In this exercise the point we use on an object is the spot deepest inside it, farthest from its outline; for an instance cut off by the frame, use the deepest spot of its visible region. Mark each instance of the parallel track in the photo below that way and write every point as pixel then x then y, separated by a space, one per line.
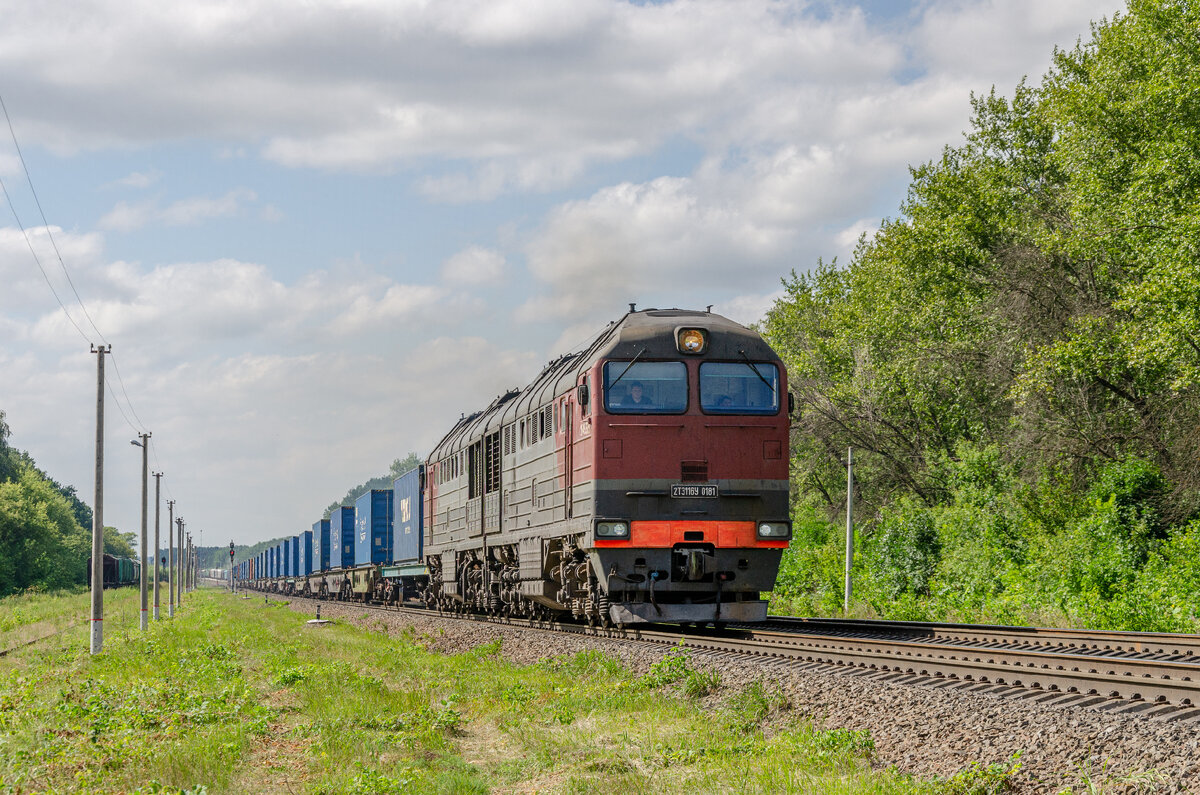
pixel 1152 674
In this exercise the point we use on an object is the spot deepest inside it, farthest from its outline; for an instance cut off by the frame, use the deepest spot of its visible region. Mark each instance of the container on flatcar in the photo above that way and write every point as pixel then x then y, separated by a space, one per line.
pixel 373 527
pixel 341 537
pixel 306 556
pixel 407 506
pixel 320 545
pixel 288 560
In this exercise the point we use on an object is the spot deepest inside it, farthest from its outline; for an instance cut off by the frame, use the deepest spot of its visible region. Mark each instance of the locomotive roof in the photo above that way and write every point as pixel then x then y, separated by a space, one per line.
pixel 648 334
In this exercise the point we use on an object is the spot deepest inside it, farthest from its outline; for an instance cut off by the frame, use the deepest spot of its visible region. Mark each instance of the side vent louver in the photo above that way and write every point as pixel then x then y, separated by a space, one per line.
pixel 693 471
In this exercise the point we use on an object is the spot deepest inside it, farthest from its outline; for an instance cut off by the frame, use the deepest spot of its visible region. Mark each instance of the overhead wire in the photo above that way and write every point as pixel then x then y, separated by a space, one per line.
pixel 46 224
pixel 37 259
pixel 140 426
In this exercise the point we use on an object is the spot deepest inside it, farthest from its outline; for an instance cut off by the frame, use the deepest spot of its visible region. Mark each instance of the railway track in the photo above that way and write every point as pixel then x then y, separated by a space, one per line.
pixel 1154 675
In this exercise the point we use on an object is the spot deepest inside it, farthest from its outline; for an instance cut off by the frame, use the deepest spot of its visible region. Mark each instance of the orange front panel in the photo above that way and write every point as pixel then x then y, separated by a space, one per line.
pixel 669 533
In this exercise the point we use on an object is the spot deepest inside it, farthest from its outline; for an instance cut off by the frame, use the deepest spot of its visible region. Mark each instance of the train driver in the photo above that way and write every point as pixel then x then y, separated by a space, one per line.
pixel 635 398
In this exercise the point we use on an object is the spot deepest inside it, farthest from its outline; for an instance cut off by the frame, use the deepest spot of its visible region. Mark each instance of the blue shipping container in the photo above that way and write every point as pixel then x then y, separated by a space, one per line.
pixel 306 555
pixel 294 557
pixel 289 568
pixel 373 527
pixel 409 510
pixel 320 545
pixel 341 537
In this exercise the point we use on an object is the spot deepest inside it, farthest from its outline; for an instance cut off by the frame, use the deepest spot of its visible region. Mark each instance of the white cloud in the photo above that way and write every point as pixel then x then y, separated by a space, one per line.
pixel 126 217
pixel 474 266
pixel 139 179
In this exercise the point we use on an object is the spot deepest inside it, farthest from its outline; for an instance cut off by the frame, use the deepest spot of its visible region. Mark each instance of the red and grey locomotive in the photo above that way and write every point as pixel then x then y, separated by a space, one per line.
pixel 643 479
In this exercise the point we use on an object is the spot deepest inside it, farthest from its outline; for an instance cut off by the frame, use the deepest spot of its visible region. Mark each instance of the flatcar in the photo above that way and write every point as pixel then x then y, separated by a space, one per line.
pixel 643 478
pixel 118 571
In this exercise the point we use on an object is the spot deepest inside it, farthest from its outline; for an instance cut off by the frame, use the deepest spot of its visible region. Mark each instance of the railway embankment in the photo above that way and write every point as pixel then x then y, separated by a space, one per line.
pixel 925 728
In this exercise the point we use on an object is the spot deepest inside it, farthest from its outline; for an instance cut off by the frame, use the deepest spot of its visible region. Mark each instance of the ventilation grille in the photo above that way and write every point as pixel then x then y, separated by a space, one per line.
pixel 693 471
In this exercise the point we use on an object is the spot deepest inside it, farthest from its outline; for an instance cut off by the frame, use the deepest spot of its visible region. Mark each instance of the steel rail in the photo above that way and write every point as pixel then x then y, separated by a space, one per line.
pixel 1181 646
pixel 1130 679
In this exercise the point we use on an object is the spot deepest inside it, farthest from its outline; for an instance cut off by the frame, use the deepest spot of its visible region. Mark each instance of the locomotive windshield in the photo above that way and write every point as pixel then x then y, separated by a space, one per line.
pixel 739 388
pixel 645 387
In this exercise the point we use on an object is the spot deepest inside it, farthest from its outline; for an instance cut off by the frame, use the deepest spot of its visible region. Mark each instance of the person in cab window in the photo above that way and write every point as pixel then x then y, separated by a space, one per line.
pixel 635 398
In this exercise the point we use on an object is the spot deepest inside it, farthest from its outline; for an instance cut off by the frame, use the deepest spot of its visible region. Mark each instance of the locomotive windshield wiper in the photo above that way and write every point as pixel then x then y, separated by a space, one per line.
pixel 750 364
pixel 632 362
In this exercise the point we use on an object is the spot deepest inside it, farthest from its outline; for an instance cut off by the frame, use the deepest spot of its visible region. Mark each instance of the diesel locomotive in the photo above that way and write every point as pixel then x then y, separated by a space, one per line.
pixel 643 478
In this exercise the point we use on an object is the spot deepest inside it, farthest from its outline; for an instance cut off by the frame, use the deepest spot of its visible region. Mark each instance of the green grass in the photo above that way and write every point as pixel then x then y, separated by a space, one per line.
pixel 236 696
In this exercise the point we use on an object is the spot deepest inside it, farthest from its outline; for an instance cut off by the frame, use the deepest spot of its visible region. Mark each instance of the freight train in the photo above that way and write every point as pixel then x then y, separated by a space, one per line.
pixel 641 479
pixel 118 571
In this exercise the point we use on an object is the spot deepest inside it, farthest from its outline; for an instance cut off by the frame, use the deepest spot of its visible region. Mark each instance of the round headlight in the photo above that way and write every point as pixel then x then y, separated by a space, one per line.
pixel 774 530
pixel 612 529
pixel 691 341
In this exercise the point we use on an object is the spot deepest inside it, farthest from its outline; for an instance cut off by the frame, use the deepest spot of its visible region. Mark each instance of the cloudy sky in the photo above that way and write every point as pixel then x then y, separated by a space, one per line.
pixel 315 234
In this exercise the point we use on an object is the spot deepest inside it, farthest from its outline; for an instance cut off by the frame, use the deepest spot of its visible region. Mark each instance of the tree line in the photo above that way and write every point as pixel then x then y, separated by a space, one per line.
pixel 45 529
pixel 1015 358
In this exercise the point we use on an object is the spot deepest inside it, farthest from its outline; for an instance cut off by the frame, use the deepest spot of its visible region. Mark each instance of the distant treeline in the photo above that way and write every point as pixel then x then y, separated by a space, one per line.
pixel 1016 358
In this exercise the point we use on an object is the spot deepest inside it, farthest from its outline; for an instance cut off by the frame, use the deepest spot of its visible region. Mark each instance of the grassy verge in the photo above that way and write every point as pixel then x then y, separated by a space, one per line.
pixel 234 696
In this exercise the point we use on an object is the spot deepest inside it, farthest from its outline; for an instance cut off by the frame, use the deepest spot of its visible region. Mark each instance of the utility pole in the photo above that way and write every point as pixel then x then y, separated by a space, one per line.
pixel 157 540
pixel 179 566
pixel 170 558
pixel 145 445
pixel 849 525
pixel 98 509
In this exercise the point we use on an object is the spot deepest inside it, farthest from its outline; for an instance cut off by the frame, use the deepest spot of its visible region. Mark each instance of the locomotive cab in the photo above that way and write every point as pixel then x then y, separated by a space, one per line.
pixel 690 488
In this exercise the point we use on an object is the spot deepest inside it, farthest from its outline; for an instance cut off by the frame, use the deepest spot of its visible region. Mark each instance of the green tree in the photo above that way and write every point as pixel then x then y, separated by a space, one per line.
pixel 7 466
pixel 41 544
pixel 118 543
pixel 1016 357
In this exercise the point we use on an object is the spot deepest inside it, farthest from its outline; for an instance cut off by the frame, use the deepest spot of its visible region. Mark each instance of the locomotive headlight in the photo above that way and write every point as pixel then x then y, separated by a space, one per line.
pixel 612 529
pixel 775 531
pixel 692 340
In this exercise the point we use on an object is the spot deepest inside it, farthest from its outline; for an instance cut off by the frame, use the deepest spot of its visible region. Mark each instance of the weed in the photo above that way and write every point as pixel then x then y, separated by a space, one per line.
pixel 701 683
pixel 672 667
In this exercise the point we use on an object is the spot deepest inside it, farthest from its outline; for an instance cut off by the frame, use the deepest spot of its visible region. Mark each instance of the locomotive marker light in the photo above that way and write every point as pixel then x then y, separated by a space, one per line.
pixel 775 530
pixel 692 340
pixel 612 529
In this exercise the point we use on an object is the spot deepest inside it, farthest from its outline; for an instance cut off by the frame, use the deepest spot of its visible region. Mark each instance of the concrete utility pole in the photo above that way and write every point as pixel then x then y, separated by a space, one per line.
pixel 170 558
pixel 179 566
pixel 98 510
pixel 145 445
pixel 849 525
pixel 157 540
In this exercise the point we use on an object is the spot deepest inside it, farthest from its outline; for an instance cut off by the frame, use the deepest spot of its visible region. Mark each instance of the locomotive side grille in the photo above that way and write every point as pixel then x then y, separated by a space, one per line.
pixel 693 471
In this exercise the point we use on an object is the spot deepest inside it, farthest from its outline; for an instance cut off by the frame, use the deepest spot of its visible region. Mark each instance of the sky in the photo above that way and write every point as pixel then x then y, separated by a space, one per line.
pixel 315 234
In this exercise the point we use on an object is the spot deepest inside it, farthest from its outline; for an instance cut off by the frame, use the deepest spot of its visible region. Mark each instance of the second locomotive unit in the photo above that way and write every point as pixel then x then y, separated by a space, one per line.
pixel 642 479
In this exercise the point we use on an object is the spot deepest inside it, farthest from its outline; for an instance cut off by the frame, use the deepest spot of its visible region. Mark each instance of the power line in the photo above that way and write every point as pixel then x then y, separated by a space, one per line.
pixel 65 270
pixel 38 260
pixel 45 223
pixel 128 402
pixel 108 384
pixel 154 451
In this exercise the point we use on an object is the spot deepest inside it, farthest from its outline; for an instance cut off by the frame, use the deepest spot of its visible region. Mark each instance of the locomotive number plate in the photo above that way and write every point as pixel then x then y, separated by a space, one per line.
pixel 693 490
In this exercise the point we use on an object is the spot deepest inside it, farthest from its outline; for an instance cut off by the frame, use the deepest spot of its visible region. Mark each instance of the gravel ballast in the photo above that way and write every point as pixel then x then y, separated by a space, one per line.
pixel 924 731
